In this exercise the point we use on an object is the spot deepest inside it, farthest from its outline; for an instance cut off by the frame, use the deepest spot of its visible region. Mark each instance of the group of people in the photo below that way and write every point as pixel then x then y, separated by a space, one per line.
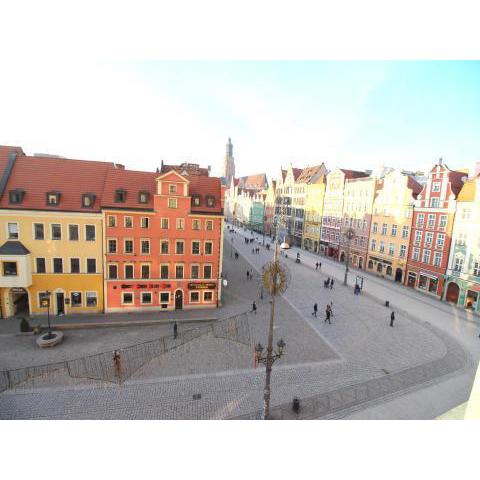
pixel 256 250
pixel 328 312
pixel 328 283
pixel 249 275
pixel 318 265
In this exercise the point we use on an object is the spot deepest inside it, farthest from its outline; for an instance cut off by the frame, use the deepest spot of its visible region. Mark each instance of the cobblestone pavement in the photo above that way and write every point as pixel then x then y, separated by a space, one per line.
pixel 358 362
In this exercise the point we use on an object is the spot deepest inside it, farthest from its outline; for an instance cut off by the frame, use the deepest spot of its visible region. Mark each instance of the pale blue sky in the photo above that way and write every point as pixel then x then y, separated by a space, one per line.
pixel 348 114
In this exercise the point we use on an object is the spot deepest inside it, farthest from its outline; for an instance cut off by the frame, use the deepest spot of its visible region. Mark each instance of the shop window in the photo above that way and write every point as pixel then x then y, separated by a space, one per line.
pixel 207 296
pixel 76 299
pixel 164 297
pixel 194 297
pixel 127 298
pixel 146 298
pixel 91 299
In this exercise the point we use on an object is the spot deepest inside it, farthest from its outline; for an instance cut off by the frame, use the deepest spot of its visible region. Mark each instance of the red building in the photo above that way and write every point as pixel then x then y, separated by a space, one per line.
pixel 432 227
pixel 163 240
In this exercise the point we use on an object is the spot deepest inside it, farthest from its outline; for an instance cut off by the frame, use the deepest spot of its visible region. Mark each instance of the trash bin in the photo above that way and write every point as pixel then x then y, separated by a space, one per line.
pixel 387 303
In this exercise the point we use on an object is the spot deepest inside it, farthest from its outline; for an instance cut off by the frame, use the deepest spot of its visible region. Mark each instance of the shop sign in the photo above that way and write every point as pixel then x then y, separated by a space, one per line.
pixel 201 286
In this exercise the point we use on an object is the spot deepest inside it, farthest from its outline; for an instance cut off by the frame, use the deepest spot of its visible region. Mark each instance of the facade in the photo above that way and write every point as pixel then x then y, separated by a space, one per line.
pixel 391 225
pixel 332 219
pixel 432 227
pixel 257 213
pixel 359 195
pixel 270 195
pixel 463 269
pixel 315 192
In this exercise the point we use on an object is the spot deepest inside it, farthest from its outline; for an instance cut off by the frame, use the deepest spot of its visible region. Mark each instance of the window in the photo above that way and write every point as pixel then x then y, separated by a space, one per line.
pixel 431 221
pixel 195 247
pixel 88 199
pixel 16 196
pixel 73 232
pixel 145 246
pixel 382 246
pixel 112 245
pixel 403 251
pixel 418 236
pixel 40 265
pixel 128 246
pixel 12 231
pixel 89 233
pixel 476 268
pixel 434 202
pixel 43 299
pixel 426 257
pixel 420 220
pixel 56 231
pixel 91 265
pixel 209 225
pixel 172 188
pixel 164 247
pixel 164 223
pixel 391 249
pixel 443 221
pixel 38 231
pixel 384 229
pixel 76 299
pixel 112 221
pixel 195 271
pixel 113 271
pixel 210 201
pixel 207 271
pixel 196 200
pixel 146 298
pixel 127 298
pixel 10 269
pixel 437 259
pixel 374 245
pixel 195 224
pixel 172 203
pixel 143 196
pixel 462 239
pixel 178 271
pixel 164 297
pixel 53 198
pixel 74 265
pixel 179 247
pixel 128 271
pixel 405 231
pixel 436 186
pixel 180 223
pixel 163 271
pixel 120 196
pixel 91 299
pixel 145 271
pixel 208 248
pixel 128 222
pixel 58 265
pixel 207 296
pixel 416 254
pixel 428 239
pixel 394 230
pixel 145 222
pixel 375 227
pixel 458 265
pixel 194 297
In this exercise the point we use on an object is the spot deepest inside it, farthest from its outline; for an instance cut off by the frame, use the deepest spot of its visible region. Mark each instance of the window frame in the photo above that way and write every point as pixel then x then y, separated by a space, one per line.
pixel 128 293
pixel 44 264
pixel 94 239
pixel 34 231
pixel 51 231
pixel 80 305
pixel 70 264
pixel 87 268
pixel 70 239
pixel 53 265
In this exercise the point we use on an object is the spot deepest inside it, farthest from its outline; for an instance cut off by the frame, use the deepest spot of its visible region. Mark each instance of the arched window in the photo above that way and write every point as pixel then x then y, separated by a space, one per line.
pixel 370 264
pixel 389 270
pixel 379 268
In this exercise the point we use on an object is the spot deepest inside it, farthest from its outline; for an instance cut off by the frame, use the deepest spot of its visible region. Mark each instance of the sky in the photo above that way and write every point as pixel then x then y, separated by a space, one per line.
pixel 355 115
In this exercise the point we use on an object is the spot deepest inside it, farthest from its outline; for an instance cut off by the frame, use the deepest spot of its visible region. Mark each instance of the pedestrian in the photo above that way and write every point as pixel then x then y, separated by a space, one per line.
pixel 328 313
pixel 316 266
pixel 248 275
pixel 175 330
pixel 331 284
pixel 253 250
pixel 315 308
pixel 319 265
pixel 392 318
pixel 251 274
pixel 327 283
pixel 254 308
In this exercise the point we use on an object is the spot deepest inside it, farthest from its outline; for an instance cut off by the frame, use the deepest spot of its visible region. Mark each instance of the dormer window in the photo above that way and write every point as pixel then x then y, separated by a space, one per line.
pixel 210 201
pixel 88 199
pixel 120 195
pixel 196 200
pixel 53 198
pixel 143 196
pixel 16 196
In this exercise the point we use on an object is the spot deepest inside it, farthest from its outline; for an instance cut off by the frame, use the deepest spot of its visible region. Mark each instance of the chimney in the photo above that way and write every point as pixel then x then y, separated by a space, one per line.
pixel 440 161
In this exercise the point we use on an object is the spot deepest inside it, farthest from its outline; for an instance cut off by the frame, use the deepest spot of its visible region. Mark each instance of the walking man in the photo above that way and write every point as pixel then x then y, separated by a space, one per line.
pixel 251 274
pixel 254 308
pixel 248 275
pixel 331 284
pixel 315 308
pixel 320 265
pixel 316 266
pixel 328 312
pixel 392 318
pixel 175 330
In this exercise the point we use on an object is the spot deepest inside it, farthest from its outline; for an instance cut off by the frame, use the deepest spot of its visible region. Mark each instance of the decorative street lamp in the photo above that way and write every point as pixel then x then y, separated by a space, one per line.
pixel 49 335
pixel 275 356
pixel 349 235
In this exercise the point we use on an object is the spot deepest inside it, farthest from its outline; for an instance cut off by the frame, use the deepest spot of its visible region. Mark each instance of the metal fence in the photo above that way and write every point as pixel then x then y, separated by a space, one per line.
pixel 117 366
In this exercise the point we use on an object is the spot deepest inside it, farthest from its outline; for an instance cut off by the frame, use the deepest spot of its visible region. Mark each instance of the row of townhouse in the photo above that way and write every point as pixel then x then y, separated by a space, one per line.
pixel 95 237
pixel 421 231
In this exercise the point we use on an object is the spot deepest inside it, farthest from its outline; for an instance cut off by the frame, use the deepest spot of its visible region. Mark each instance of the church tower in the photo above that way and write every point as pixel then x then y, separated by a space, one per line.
pixel 229 164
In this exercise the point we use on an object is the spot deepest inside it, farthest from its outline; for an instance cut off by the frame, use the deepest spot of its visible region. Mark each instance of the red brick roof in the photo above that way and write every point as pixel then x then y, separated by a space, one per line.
pixel 414 186
pixel 308 173
pixel 257 181
pixel 353 173
pixel 297 172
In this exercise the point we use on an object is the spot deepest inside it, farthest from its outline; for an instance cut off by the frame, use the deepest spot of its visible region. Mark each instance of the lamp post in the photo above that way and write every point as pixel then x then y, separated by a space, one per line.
pixel 48 293
pixel 349 234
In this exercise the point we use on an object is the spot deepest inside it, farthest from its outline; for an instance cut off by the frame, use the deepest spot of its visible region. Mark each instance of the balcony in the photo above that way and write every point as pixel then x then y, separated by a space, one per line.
pixel 15 265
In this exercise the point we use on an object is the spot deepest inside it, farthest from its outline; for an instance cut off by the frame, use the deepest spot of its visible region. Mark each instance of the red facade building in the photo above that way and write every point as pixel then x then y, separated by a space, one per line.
pixel 432 227
pixel 163 241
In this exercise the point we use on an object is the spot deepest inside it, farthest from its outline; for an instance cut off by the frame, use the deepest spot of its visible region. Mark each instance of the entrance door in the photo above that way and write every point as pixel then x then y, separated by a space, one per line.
pixel 178 300
pixel 360 262
pixel 20 302
pixel 398 275
pixel 453 292
pixel 60 304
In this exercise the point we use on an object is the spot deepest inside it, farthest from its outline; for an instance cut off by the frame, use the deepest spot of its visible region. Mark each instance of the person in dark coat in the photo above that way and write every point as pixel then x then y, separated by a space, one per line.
pixel 328 313
pixel 316 266
pixel 175 330
pixel 319 265
pixel 392 318
pixel 248 275
pixel 315 308
pixel 331 284
pixel 254 308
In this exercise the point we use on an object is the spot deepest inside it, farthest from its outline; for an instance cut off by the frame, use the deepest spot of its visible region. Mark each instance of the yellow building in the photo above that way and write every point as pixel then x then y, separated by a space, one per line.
pixel 391 225
pixel 315 193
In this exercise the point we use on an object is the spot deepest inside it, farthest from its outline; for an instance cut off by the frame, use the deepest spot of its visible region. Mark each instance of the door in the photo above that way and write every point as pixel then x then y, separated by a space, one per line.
pixel 178 300
pixel 453 292
pixel 398 275
pixel 60 304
